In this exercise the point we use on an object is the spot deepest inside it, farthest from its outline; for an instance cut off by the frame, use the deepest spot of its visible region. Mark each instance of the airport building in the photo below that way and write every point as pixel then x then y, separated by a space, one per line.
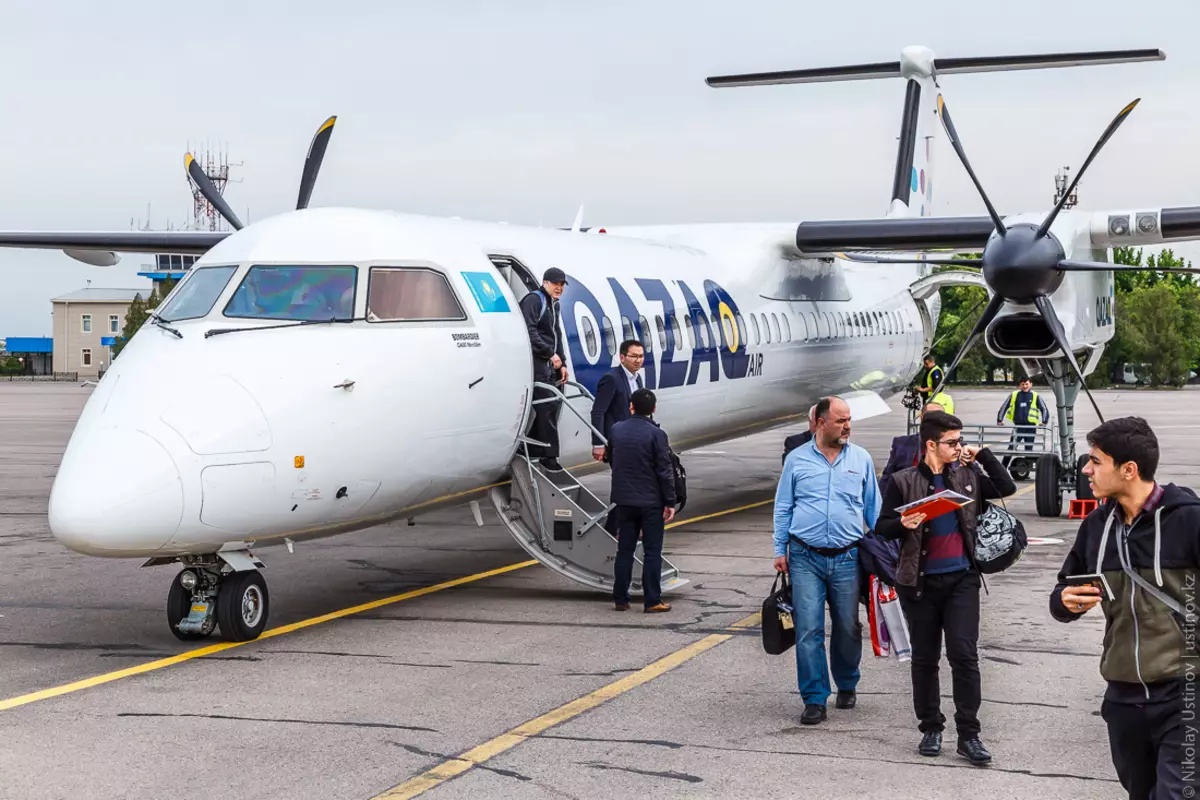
pixel 86 326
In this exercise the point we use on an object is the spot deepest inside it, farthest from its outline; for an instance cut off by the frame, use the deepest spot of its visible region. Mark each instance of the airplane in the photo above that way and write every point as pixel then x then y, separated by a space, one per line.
pixel 327 370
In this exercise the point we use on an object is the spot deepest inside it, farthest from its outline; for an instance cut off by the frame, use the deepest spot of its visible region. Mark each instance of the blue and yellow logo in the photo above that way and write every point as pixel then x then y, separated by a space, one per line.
pixel 486 291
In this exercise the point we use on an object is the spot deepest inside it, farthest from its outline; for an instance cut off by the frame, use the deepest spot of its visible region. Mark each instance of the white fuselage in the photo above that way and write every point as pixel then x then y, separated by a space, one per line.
pixel 194 444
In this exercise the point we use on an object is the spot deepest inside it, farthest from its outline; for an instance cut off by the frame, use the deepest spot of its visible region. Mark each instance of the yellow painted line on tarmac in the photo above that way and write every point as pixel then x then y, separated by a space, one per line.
pixel 453 767
pixel 109 677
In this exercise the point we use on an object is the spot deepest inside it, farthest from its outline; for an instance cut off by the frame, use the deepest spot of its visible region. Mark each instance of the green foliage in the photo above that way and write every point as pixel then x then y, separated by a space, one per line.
pixel 11 366
pixel 139 312
pixel 961 309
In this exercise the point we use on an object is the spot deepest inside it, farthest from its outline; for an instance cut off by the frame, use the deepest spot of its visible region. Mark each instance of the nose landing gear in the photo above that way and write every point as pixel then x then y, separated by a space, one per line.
pixel 224 590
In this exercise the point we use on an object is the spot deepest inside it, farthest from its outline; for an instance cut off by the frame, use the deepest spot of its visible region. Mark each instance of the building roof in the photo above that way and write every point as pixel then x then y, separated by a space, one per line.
pixel 91 295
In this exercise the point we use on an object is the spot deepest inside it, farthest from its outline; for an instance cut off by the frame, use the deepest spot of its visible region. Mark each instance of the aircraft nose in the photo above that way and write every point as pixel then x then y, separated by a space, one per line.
pixel 117 493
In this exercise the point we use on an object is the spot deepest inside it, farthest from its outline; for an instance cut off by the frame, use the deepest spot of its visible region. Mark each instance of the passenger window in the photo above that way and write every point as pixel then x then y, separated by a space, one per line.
pixel 787 327
pixel 766 328
pixel 301 293
pixel 589 338
pixel 727 330
pixel 754 324
pixel 647 339
pixel 775 326
pixel 626 328
pixel 411 293
pixel 687 323
pixel 662 333
pixel 197 293
pixel 676 331
pixel 610 336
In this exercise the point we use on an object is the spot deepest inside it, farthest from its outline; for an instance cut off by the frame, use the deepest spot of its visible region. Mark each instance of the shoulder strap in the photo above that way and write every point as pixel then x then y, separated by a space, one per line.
pixel 1123 554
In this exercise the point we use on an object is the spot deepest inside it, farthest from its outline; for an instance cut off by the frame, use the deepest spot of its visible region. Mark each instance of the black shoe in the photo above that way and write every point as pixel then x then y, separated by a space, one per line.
pixel 973 750
pixel 931 744
pixel 846 699
pixel 551 464
pixel 812 715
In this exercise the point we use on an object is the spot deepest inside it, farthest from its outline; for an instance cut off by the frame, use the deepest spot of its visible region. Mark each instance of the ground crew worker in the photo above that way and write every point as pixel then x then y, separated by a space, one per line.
pixel 542 317
pixel 944 400
pixel 1025 409
pixel 931 379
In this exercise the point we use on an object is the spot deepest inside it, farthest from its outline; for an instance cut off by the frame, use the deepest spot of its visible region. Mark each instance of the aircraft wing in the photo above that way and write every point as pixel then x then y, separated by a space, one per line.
pixel 100 247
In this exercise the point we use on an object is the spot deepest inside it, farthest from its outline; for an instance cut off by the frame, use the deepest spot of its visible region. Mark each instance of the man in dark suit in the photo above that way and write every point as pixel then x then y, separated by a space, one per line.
pixel 611 406
pixel 905 451
pixel 644 491
pixel 795 440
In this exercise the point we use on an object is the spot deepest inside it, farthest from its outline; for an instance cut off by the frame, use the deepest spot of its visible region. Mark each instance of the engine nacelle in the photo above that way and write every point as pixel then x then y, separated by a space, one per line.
pixel 96 258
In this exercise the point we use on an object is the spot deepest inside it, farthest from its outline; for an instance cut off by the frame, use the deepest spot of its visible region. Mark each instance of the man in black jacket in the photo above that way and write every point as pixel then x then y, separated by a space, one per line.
pixel 797 439
pixel 937 579
pixel 905 452
pixel 542 317
pixel 613 393
pixel 643 487
pixel 1149 660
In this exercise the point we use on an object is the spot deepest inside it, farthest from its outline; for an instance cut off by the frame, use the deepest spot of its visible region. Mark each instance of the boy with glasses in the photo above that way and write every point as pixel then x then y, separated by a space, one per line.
pixel 937 580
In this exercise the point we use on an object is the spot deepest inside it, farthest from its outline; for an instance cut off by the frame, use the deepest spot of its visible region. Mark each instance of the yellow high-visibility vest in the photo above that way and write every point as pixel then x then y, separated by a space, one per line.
pixel 1035 416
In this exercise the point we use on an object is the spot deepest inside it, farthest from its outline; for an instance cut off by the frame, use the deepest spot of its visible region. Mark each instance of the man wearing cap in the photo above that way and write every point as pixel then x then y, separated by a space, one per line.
pixel 542 318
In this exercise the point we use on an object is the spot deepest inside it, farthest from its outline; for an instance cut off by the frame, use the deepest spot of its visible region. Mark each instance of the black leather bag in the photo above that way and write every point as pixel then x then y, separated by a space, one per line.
pixel 778 628
pixel 680 475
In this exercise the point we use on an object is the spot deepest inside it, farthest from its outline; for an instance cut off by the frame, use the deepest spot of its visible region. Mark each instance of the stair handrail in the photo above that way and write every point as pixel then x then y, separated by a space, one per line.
pixel 566 401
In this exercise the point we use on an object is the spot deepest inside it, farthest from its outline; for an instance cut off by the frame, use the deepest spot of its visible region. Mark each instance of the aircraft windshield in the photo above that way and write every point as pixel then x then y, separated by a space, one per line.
pixel 196 295
pixel 295 293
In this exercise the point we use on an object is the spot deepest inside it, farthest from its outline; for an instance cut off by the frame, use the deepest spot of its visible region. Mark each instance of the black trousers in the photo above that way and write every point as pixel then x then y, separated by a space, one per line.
pixel 1022 435
pixel 948 604
pixel 1146 741
pixel 648 522
pixel 544 427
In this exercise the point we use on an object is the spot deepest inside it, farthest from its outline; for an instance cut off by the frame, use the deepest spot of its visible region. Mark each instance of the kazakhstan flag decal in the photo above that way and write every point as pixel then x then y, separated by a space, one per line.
pixel 487 292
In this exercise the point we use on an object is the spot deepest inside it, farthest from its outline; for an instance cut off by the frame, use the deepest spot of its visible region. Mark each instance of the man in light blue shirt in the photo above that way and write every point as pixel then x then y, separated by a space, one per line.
pixel 827 497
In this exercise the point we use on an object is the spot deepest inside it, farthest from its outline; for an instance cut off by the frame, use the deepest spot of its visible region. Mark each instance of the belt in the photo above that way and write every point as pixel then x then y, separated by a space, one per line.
pixel 826 551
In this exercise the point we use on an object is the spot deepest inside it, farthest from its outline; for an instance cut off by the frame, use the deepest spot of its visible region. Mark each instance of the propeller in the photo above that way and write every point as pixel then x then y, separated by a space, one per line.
pixel 209 190
pixel 312 165
pixel 1023 263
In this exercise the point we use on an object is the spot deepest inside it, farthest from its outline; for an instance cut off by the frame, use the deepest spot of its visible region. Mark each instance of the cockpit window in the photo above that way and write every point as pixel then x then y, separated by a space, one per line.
pixel 295 293
pixel 411 293
pixel 197 293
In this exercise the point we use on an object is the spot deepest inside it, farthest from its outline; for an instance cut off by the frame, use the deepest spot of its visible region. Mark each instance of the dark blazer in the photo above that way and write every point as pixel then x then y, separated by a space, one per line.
pixel 612 403
pixel 794 441
pixel 641 469
pixel 903 455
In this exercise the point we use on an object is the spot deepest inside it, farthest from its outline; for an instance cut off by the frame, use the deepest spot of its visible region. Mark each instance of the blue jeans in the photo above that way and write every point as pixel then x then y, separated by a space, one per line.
pixel 815 580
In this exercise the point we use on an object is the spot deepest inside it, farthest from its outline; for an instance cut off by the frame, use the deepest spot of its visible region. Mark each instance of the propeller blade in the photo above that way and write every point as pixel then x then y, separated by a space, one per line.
pixel 946 262
pixel 1068 265
pixel 209 190
pixel 993 308
pixel 312 163
pixel 1108 132
pixel 1046 308
pixel 944 116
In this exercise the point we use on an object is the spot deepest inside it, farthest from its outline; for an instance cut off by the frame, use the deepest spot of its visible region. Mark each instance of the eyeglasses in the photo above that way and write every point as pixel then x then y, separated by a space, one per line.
pixel 952 442
pixel 638 357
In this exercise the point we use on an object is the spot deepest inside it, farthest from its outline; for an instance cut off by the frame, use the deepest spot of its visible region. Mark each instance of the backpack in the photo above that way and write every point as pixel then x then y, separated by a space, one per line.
pixel 680 479
pixel 999 540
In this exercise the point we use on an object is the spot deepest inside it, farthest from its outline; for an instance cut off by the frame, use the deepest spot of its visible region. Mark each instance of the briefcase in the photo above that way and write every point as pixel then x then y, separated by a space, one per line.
pixel 778 627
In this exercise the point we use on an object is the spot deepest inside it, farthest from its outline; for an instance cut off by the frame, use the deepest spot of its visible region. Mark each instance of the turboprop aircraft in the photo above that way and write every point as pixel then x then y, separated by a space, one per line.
pixel 331 369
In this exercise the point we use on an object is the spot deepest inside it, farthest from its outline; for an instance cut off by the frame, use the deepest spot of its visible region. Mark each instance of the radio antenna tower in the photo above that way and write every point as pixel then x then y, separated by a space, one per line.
pixel 1061 181
pixel 215 165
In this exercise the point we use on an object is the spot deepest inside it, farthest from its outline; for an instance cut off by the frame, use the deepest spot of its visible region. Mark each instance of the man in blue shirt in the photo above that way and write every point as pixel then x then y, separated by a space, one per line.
pixel 827 497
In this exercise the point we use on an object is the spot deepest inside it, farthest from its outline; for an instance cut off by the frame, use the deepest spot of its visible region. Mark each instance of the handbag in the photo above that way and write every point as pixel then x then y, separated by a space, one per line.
pixel 778 628
pixel 1000 540
pixel 680 475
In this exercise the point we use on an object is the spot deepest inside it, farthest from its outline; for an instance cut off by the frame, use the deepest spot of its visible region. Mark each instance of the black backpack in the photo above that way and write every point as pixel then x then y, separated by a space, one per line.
pixel 680 480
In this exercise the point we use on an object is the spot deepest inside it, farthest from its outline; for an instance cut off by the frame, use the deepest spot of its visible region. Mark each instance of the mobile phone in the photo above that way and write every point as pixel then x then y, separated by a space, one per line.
pixel 1094 579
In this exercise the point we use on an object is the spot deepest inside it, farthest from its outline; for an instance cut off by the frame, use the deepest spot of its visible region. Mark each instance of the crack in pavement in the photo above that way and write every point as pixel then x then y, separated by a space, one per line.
pixel 293 721
pixel 673 627
pixel 610 674
pixel 678 776
pixel 385 659
pixel 651 742
pixel 496 663
pixel 508 773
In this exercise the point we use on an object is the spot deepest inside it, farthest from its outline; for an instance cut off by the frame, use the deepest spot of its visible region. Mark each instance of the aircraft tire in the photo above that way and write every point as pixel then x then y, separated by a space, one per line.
pixel 179 601
pixel 1047 492
pixel 243 605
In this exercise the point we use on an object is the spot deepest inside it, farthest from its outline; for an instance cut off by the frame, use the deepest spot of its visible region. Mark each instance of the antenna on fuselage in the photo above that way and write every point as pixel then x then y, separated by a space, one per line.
pixel 578 223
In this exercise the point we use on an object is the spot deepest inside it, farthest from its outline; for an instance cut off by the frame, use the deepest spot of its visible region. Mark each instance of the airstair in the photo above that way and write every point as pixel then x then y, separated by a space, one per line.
pixel 558 521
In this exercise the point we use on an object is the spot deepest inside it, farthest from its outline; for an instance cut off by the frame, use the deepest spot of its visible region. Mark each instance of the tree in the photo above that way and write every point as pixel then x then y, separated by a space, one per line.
pixel 139 312
pixel 961 308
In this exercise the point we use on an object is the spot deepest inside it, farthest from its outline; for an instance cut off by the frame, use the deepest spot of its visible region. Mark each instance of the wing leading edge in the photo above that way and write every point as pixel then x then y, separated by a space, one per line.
pixel 182 242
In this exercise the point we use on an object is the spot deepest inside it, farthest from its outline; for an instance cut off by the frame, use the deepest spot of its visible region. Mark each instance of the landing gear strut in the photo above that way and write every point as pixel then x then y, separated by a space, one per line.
pixel 225 590
pixel 1062 472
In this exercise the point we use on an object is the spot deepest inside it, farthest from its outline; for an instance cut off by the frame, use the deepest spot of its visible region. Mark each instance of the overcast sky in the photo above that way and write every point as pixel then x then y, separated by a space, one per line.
pixel 521 110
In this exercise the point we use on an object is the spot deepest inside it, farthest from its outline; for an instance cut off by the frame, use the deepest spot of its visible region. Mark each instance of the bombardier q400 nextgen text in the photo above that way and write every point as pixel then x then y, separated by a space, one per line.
pixel 267 402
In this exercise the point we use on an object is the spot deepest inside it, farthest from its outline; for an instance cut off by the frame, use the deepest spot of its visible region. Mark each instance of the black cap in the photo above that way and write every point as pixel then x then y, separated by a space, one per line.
pixel 555 275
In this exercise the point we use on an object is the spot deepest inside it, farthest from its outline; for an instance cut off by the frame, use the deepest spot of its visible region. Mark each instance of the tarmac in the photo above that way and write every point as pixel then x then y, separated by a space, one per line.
pixel 474 672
